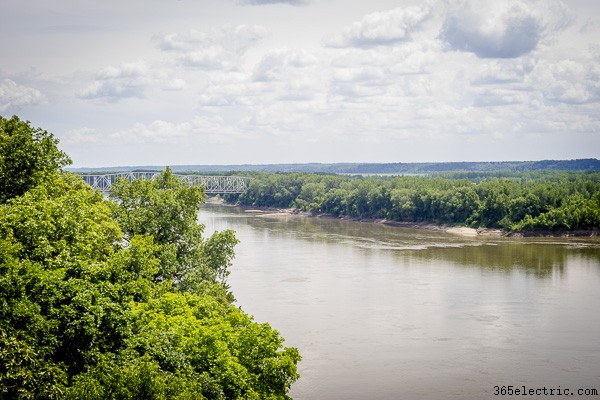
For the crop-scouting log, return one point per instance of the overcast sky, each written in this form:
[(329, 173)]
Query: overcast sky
[(166, 82)]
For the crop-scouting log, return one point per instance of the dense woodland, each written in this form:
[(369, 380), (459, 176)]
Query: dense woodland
[(119, 299), (589, 164), (514, 201)]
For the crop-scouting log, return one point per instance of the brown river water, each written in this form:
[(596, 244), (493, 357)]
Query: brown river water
[(381, 312)]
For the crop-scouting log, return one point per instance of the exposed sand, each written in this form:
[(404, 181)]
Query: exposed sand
[(460, 231), (276, 214), (463, 231)]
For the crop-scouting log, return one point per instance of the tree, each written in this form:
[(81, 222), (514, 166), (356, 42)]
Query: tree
[(125, 299), (59, 307), (167, 209), (27, 156)]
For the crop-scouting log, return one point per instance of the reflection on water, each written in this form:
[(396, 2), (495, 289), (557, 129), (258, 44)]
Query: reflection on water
[(382, 312), (539, 256)]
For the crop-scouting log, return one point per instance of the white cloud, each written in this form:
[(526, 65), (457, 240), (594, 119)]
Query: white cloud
[(245, 93), (493, 31), (409, 59), (279, 63), (115, 83), (207, 129), (387, 81), (284, 122), (354, 83), (567, 81), (359, 74), (228, 89), (501, 72), (506, 29), (501, 82), (131, 80), (233, 38), (200, 130), (157, 131), (495, 97), (111, 90), (383, 76), (175, 84), (13, 95), (124, 71), (84, 135), (214, 49), (382, 28), (415, 58), (302, 89), (210, 58)]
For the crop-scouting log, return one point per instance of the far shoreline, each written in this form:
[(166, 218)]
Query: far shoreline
[(458, 230)]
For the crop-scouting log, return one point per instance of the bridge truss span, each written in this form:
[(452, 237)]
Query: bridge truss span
[(212, 184)]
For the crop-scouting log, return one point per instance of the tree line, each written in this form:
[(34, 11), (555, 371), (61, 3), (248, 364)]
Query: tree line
[(123, 298), (514, 201), (589, 164)]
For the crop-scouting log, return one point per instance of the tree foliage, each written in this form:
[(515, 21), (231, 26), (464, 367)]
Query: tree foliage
[(125, 299), (513, 201), (167, 210), (27, 155)]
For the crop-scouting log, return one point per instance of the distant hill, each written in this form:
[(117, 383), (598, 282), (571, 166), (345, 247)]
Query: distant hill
[(588, 164)]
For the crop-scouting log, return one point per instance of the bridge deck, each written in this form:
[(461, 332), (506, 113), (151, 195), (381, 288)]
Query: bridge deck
[(212, 184)]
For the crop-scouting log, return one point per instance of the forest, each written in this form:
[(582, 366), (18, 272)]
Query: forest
[(120, 298), (589, 164), (527, 201)]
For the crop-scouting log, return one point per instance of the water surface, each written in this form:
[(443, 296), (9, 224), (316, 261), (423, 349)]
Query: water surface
[(382, 312)]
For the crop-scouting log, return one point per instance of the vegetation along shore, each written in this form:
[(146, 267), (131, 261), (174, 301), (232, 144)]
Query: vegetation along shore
[(524, 203)]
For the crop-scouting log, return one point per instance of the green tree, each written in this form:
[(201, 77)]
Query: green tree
[(506, 199), (311, 197), (125, 299), (58, 309), (27, 155), (166, 209)]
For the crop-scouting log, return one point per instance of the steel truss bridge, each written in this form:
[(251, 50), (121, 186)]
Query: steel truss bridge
[(212, 184)]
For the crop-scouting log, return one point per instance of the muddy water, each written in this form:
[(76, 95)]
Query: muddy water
[(382, 312)]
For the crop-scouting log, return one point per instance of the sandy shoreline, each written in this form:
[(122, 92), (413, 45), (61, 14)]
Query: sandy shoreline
[(464, 231), (455, 230)]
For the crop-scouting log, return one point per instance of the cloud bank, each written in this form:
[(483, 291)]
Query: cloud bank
[(515, 78)]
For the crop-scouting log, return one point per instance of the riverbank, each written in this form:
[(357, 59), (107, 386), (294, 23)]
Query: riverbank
[(464, 231), (362, 301)]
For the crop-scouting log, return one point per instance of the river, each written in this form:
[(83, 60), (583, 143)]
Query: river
[(381, 312)]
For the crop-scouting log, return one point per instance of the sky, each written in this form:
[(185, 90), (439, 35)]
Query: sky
[(179, 82)]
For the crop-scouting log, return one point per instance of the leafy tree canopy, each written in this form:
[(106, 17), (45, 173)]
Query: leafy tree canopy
[(515, 201), (27, 155), (125, 299)]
